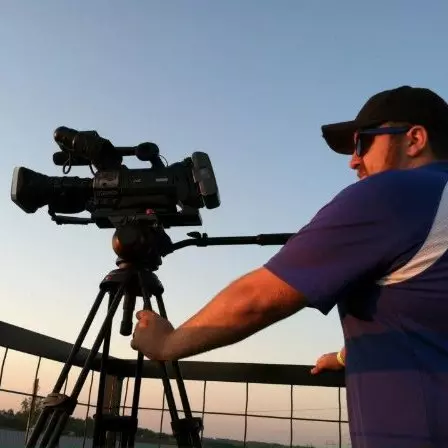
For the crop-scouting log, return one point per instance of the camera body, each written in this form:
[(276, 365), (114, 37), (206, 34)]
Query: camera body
[(116, 194)]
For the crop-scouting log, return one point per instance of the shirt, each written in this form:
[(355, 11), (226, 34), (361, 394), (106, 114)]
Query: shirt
[(378, 251)]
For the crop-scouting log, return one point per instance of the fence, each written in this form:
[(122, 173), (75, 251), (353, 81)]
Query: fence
[(250, 376)]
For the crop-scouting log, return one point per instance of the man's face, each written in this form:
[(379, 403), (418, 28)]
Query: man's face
[(380, 153)]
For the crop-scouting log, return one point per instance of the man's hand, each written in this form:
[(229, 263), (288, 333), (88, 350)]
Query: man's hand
[(151, 334), (328, 361)]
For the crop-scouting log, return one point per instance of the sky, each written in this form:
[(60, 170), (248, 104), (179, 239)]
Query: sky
[(250, 83)]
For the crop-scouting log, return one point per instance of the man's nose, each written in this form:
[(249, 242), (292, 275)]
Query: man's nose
[(355, 161)]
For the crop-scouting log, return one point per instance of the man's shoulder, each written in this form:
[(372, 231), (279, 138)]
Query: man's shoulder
[(416, 177), (405, 186)]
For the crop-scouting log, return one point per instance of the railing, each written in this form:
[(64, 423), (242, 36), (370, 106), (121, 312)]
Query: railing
[(195, 373)]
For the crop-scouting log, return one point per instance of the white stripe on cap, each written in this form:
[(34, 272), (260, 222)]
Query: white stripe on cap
[(435, 245)]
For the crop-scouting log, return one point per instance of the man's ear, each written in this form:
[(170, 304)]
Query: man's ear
[(417, 141)]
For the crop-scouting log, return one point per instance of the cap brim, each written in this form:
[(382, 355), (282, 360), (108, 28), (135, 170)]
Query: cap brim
[(339, 136)]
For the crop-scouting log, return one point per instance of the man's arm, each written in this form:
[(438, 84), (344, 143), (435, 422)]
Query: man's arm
[(249, 304), (350, 242)]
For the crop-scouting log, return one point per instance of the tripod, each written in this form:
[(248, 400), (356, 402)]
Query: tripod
[(139, 248)]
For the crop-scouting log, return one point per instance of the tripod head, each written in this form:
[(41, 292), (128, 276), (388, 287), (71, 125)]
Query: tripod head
[(141, 243), (140, 246)]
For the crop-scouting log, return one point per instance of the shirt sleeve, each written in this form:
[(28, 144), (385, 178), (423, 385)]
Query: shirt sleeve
[(351, 241)]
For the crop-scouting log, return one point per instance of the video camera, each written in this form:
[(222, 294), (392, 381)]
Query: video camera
[(118, 195)]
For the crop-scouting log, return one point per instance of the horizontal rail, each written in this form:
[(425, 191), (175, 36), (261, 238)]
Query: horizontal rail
[(26, 341)]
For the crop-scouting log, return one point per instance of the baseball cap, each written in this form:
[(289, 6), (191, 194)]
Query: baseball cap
[(413, 105)]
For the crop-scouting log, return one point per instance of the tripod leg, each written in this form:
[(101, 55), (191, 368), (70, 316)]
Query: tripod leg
[(176, 367), (165, 378), (54, 440), (195, 428), (42, 420), (187, 430), (128, 437), (99, 434), (128, 434)]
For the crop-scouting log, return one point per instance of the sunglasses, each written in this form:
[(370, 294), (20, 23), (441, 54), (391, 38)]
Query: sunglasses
[(365, 137)]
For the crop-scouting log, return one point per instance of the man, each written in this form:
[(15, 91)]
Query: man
[(377, 251)]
